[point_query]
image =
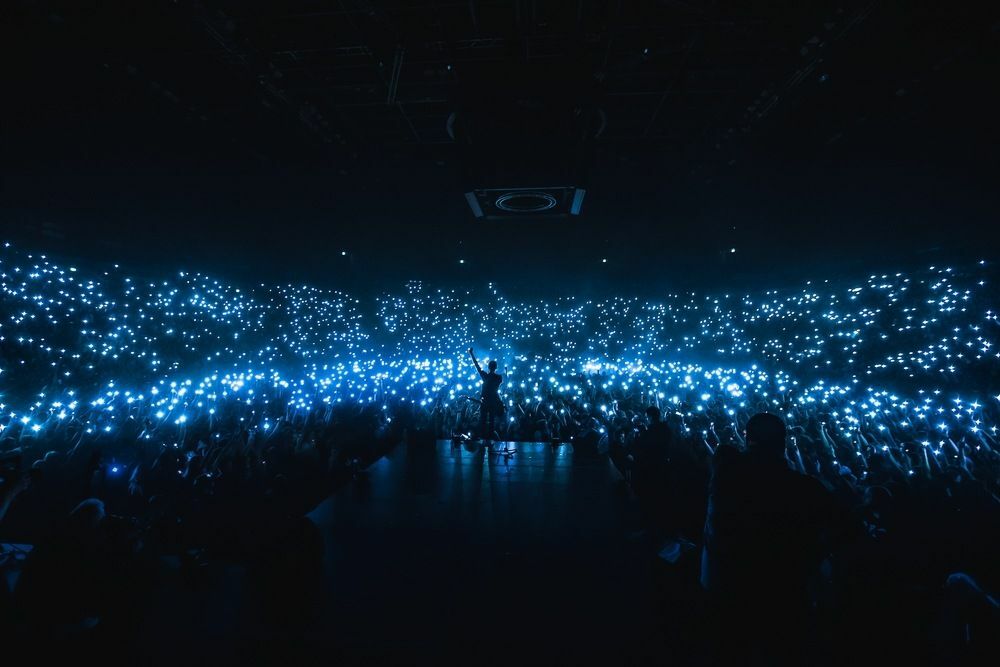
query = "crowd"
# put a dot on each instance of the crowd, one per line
(178, 400)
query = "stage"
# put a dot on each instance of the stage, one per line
(446, 549)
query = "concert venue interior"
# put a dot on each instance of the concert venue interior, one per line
(412, 331)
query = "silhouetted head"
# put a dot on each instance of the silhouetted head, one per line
(766, 435)
(653, 413)
(492, 365)
(86, 517)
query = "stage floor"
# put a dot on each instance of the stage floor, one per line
(444, 550)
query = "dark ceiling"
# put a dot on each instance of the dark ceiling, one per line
(269, 138)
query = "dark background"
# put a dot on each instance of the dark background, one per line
(262, 140)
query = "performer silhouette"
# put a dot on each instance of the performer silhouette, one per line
(491, 406)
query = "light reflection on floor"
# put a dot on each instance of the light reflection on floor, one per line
(448, 534)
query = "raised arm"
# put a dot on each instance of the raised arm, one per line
(475, 361)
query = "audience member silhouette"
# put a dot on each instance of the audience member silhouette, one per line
(666, 477)
(651, 458)
(763, 540)
(61, 585)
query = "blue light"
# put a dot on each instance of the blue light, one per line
(216, 355)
